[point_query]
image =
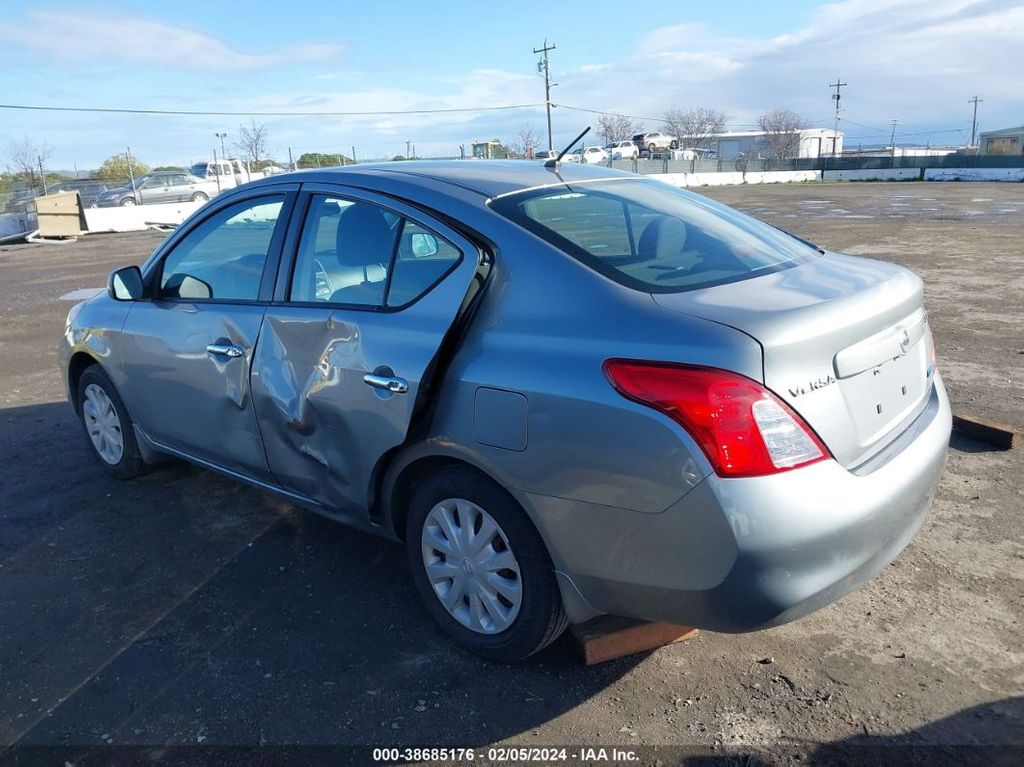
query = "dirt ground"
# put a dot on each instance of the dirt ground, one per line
(182, 608)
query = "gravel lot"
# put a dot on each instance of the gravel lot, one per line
(183, 608)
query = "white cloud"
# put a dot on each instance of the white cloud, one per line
(138, 42)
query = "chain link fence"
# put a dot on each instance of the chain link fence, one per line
(170, 184)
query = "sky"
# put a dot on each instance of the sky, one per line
(914, 61)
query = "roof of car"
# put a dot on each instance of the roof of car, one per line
(489, 178)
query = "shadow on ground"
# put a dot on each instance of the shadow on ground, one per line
(186, 608)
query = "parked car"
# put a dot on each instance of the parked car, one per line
(647, 143)
(545, 154)
(89, 189)
(622, 150)
(164, 186)
(593, 154)
(570, 392)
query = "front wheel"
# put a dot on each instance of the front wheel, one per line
(107, 425)
(481, 567)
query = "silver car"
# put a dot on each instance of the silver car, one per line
(571, 391)
(163, 186)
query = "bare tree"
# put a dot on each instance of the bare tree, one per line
(616, 127)
(696, 127)
(27, 157)
(526, 140)
(252, 143)
(782, 128)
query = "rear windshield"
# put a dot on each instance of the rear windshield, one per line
(651, 236)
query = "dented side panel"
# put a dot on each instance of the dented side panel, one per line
(185, 397)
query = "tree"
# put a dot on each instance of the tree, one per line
(782, 128)
(252, 143)
(696, 127)
(115, 168)
(27, 157)
(321, 160)
(526, 140)
(615, 127)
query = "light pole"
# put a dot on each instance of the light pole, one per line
(222, 136)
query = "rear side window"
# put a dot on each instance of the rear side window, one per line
(651, 236)
(360, 254)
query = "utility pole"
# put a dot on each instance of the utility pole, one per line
(222, 136)
(544, 66)
(291, 162)
(42, 175)
(974, 122)
(353, 155)
(838, 85)
(408, 144)
(892, 144)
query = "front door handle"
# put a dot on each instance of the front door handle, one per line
(225, 350)
(388, 383)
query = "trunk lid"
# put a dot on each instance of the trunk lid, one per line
(845, 343)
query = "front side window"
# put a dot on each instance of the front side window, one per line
(651, 236)
(360, 254)
(224, 256)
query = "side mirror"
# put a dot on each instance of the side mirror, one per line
(423, 245)
(125, 284)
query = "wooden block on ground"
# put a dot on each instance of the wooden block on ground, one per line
(996, 434)
(609, 637)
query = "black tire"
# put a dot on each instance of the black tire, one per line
(674, 145)
(127, 202)
(541, 618)
(130, 464)
(200, 196)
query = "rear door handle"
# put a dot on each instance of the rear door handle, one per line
(388, 383)
(225, 350)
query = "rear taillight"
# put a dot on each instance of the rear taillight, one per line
(743, 429)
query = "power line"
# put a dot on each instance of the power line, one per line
(257, 113)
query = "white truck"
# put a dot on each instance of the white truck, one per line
(227, 174)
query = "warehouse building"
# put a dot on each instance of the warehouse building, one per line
(1003, 142)
(814, 142)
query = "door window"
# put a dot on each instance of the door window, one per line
(360, 254)
(223, 257)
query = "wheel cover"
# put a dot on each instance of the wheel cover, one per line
(471, 567)
(103, 424)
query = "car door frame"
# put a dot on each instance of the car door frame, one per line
(152, 270)
(363, 516)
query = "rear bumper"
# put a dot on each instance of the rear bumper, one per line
(737, 555)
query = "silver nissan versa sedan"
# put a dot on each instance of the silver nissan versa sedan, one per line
(571, 391)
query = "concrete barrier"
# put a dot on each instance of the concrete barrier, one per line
(879, 174)
(729, 178)
(974, 174)
(133, 218)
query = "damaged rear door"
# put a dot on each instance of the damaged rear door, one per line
(365, 296)
(189, 345)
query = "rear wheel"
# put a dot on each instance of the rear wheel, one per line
(127, 202)
(481, 567)
(107, 425)
(200, 197)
